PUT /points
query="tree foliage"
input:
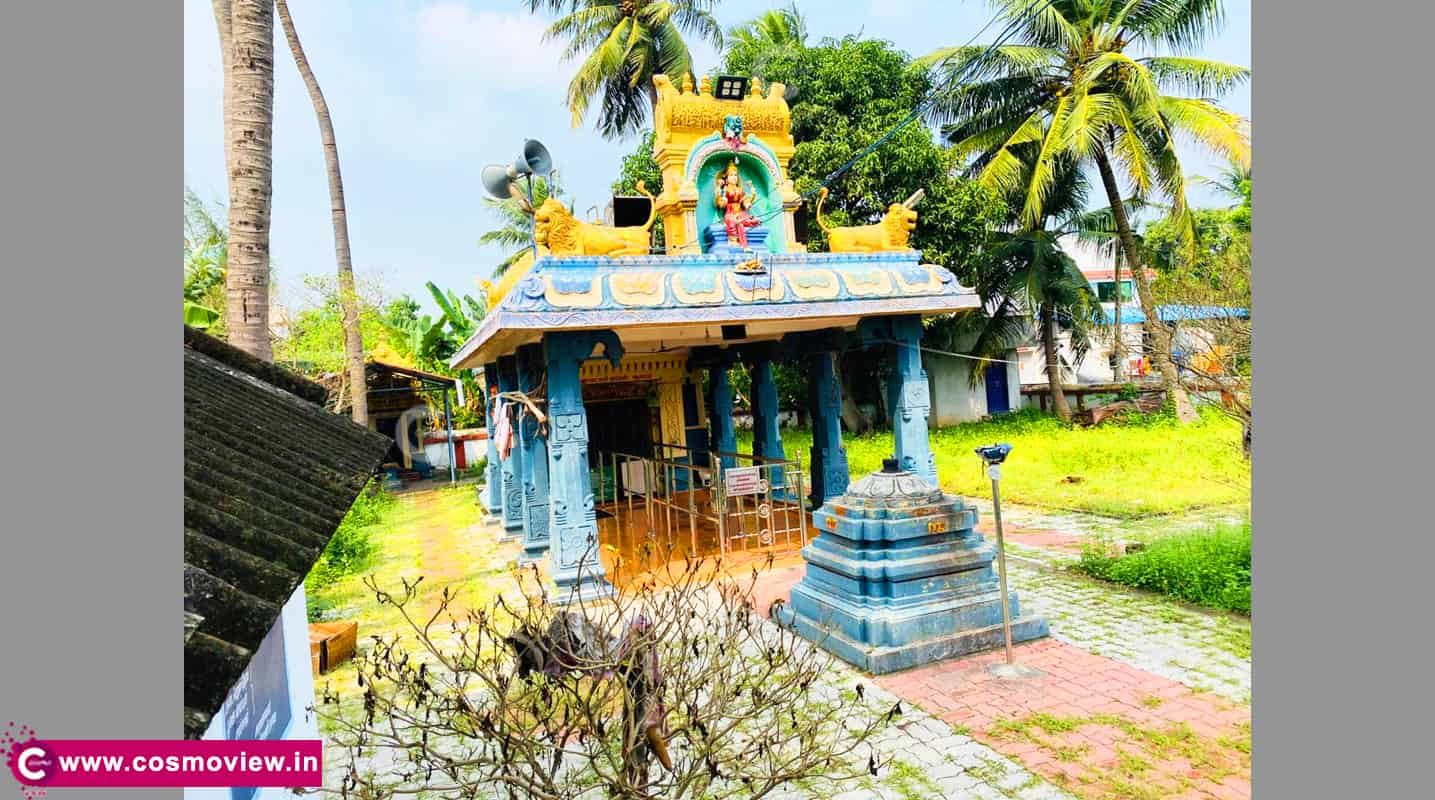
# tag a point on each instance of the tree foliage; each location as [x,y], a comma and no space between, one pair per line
[846,93]
[623,44]
[1074,89]
[206,259]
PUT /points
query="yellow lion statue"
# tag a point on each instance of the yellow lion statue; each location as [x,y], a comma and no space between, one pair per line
[892,233]
[566,235]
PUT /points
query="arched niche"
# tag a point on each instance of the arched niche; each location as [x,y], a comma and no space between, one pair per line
[756,164]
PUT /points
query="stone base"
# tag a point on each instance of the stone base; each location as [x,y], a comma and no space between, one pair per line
[715,237]
[590,589]
[881,660]
[526,556]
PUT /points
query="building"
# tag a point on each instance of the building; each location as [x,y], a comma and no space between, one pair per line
[626,354]
[268,475]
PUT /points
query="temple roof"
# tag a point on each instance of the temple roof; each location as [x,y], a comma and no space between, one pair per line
[684,301]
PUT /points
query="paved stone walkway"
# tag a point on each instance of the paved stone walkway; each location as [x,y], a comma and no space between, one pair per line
[1096,725]
[1137,696]
[1203,650]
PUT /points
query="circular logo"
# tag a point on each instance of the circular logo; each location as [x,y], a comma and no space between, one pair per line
[34,763]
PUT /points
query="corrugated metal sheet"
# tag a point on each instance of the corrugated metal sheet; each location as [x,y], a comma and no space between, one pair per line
[1133,315]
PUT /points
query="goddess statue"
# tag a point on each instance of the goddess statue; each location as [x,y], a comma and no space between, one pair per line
[734,202]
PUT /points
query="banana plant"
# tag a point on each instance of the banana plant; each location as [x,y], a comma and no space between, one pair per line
[462,323]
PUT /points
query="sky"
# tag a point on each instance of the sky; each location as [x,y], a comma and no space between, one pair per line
[424,93]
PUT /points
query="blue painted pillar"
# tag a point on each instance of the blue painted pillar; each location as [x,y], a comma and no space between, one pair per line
[829,457]
[911,400]
[535,461]
[720,413]
[492,497]
[573,526]
[513,465]
[766,439]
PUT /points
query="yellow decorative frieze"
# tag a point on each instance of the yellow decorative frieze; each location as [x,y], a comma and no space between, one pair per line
[660,368]
[637,288]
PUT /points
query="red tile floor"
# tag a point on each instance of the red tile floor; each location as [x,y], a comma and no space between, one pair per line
[1098,727]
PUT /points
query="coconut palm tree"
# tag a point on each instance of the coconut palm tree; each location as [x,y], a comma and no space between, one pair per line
[514,232]
[1029,277]
[777,34]
[624,44]
[246,36]
[1071,88]
[348,295]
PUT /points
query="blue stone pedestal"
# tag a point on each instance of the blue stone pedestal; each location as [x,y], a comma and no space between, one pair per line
[899,578]
[715,237]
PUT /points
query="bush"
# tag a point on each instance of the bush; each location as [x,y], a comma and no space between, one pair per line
[352,546]
[1210,568]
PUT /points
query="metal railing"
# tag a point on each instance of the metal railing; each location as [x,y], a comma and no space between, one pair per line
[685,488]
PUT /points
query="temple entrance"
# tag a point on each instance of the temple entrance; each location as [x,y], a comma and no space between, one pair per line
[682,504]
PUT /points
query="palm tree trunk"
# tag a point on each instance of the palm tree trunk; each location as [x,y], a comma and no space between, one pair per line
[222,20]
[1160,336]
[249,122]
[348,295]
[1053,364]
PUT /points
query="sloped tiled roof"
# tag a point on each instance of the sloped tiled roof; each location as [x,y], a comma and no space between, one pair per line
[268,476]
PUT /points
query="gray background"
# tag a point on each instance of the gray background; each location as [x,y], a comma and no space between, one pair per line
[90,184]
[90,179]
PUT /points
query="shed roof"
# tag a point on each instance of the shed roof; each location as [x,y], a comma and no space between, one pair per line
[268,476]
[1133,315]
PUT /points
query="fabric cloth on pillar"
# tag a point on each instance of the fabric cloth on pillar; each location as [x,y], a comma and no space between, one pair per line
[502,429]
[535,459]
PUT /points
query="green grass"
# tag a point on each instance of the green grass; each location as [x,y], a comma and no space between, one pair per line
[1210,568]
[1131,468]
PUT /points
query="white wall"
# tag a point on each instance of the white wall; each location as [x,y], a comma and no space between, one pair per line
[954,399]
[1094,368]
[474,450]
[298,674]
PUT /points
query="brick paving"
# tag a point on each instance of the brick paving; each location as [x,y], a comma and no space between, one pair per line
[1136,697]
[1097,726]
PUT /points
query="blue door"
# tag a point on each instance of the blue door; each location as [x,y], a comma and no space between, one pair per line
[998,401]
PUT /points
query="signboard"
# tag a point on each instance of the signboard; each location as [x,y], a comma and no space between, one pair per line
[738,481]
[258,704]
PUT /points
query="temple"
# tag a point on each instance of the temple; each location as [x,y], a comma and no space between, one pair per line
[618,357]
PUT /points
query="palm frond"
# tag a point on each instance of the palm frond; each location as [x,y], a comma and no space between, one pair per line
[1197,75]
[1218,129]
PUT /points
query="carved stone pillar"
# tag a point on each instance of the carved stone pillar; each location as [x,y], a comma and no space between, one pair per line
[766,436]
[535,461]
[572,524]
[829,457]
[720,409]
[513,465]
[911,402]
